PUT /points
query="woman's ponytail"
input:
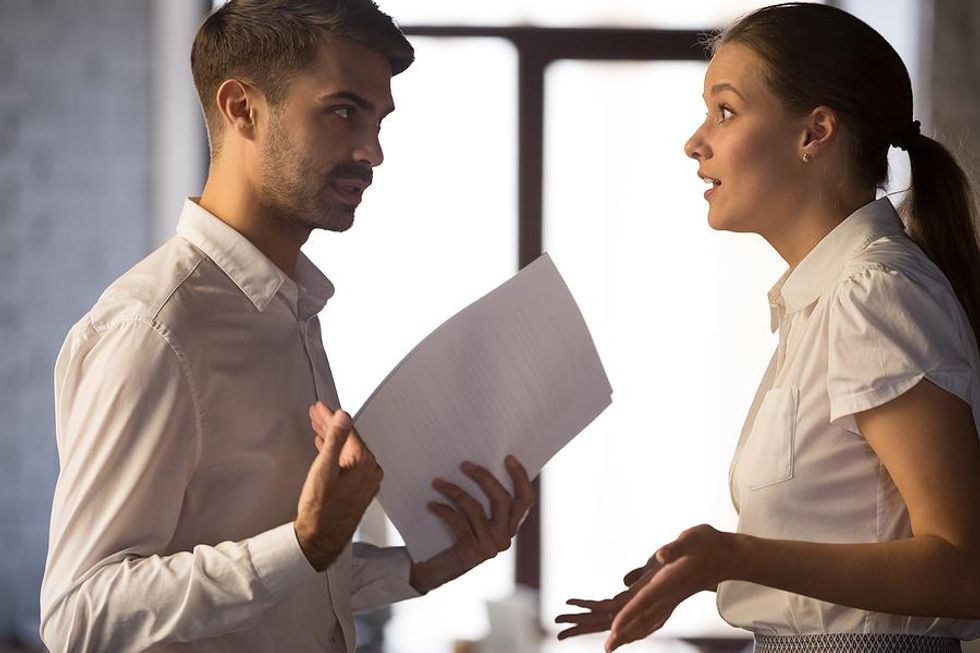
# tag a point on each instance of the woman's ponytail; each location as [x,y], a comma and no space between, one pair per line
[940,216]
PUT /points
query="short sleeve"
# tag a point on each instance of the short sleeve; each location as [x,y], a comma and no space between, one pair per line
[887,332]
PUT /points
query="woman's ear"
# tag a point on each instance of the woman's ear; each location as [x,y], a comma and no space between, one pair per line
[820,129]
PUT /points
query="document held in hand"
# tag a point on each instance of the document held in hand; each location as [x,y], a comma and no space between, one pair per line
[515,372]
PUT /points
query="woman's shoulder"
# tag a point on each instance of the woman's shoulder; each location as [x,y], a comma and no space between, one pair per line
[894,261]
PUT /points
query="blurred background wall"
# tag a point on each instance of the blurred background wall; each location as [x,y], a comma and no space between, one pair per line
[100,141]
[74,181]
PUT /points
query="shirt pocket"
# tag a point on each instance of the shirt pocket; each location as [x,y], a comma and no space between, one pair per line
[767,457]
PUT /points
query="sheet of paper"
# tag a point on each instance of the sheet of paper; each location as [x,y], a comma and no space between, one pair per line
[516,372]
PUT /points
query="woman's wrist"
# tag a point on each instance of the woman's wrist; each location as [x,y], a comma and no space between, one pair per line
[738,551]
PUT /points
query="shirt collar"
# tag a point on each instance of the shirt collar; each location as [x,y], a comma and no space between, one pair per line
[801,286]
[255,275]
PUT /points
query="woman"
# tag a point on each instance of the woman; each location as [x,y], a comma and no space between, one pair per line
[857,476]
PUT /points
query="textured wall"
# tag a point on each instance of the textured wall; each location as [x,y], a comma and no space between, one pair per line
[74,134]
[956,78]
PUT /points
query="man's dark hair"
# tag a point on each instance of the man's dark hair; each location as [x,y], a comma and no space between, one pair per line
[266,42]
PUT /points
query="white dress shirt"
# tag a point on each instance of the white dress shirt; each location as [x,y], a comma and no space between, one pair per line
[184,440]
[862,319]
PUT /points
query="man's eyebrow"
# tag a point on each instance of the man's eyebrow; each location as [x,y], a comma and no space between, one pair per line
[359,100]
[725,86]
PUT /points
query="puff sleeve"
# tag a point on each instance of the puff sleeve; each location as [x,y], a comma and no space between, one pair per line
[887,332]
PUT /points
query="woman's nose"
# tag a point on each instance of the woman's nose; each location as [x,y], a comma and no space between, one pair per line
[696,147]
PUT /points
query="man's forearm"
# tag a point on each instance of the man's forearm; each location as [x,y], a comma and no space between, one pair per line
[134,603]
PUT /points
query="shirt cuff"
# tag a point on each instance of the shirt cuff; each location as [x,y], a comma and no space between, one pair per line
[278,559]
[380,577]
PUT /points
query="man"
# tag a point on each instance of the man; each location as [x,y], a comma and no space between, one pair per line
[192,510]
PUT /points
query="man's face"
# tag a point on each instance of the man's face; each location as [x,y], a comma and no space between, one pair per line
[320,143]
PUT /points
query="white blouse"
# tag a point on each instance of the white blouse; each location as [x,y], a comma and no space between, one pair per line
[863,318]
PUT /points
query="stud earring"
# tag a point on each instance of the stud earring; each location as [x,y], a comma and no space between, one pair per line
[806,158]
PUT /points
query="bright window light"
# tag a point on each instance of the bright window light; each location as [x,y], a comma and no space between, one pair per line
[437,230]
[569,13]
[680,318]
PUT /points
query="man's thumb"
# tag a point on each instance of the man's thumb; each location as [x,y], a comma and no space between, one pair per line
[334,429]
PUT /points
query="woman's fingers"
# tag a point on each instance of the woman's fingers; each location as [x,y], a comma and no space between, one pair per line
[581,630]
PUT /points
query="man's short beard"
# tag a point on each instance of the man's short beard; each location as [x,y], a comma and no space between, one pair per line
[284,196]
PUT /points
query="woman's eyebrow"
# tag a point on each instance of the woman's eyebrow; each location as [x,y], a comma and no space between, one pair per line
[725,86]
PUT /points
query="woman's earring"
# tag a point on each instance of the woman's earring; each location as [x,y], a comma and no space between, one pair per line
[806,158]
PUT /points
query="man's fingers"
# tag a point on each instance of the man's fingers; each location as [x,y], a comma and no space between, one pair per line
[355,450]
[500,501]
[485,544]
[325,424]
[523,493]
[456,522]
[334,431]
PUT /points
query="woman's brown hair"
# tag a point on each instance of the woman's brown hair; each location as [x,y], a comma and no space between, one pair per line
[817,55]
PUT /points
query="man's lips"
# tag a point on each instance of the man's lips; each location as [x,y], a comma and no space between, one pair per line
[350,190]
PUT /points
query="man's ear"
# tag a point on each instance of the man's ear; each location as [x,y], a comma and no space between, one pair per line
[820,129]
[237,104]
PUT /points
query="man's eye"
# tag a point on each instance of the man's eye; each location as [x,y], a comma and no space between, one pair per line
[344,112]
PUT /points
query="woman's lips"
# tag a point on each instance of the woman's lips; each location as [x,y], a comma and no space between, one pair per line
[712,181]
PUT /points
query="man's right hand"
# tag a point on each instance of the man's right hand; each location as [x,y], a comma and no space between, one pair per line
[339,486]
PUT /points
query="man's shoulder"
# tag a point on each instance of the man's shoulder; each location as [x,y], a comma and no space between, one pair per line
[146,291]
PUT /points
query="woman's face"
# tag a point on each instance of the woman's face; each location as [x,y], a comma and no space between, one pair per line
[748,147]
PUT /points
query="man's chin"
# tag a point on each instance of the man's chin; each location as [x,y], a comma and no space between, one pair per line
[337,220]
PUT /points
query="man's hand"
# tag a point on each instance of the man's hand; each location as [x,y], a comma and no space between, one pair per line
[478,537]
[341,482]
[600,614]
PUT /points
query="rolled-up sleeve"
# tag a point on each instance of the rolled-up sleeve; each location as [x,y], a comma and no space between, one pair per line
[129,431]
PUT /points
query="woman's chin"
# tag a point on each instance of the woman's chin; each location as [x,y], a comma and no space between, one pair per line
[720,221]
[716,220]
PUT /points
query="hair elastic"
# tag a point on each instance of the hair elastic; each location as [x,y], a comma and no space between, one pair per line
[904,141]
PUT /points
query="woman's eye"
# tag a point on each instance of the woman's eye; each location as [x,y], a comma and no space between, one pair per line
[724,114]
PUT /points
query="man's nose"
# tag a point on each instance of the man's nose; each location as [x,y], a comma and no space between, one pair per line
[369,152]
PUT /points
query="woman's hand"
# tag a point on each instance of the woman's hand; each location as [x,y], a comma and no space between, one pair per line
[600,614]
[697,560]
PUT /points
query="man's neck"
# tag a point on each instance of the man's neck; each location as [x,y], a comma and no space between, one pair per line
[236,204]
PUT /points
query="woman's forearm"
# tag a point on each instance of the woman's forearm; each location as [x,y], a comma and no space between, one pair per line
[918,576]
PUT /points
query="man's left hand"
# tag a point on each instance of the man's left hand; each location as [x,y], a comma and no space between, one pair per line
[479,537]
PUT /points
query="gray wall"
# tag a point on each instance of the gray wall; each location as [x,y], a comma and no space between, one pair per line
[956,78]
[74,132]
